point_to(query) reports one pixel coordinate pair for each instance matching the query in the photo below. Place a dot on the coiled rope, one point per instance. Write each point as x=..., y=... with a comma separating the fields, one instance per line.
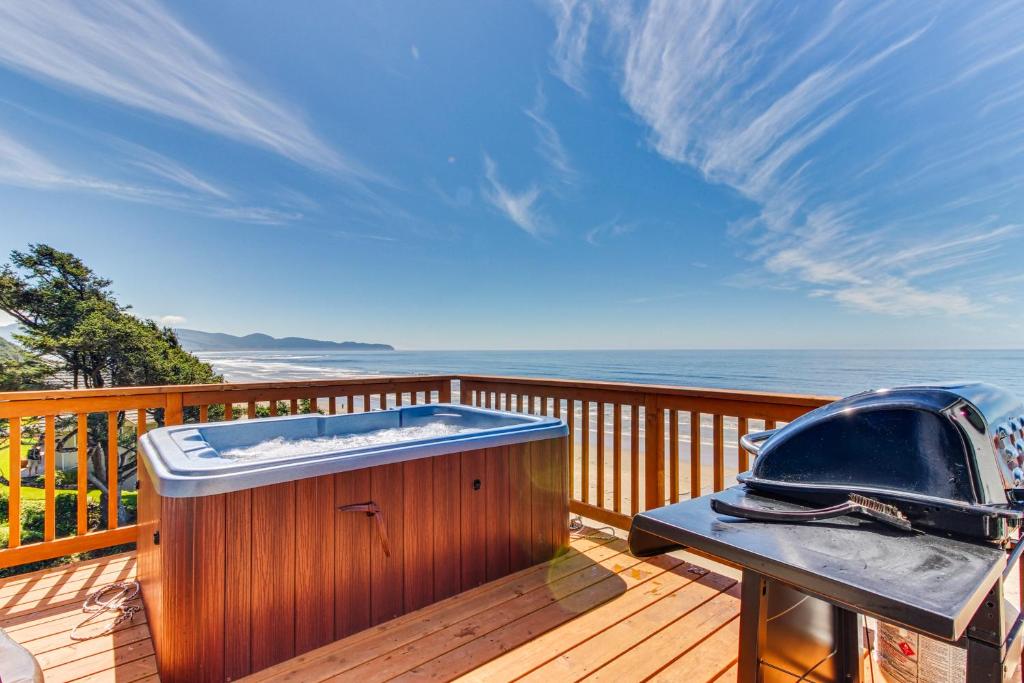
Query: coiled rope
x=577, y=530
x=111, y=598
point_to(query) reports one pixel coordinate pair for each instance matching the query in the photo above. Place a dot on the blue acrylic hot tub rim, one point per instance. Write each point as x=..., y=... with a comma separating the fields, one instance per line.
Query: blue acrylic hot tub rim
x=165, y=451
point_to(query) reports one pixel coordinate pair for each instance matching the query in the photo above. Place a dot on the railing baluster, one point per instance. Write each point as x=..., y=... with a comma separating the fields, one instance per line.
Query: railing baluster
x=634, y=458
x=250, y=410
x=229, y=411
x=654, y=453
x=769, y=424
x=113, y=494
x=570, y=412
x=82, y=495
x=673, y=454
x=695, y=474
x=204, y=413
x=617, y=457
x=600, y=453
x=314, y=405
x=585, y=465
x=719, y=441
x=742, y=457
x=14, y=493
x=50, y=478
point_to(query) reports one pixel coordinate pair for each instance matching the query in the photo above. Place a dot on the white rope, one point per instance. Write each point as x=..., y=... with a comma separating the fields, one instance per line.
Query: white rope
x=111, y=598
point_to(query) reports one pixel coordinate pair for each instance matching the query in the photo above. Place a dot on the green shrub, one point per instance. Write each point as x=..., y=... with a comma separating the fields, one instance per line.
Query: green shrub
x=66, y=479
x=33, y=516
x=3, y=506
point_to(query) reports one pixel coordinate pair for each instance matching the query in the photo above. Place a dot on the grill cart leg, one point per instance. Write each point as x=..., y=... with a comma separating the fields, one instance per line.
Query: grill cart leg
x=992, y=652
x=787, y=635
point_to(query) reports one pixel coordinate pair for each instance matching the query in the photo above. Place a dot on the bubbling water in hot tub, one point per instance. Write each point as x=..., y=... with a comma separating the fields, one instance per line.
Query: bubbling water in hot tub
x=281, y=447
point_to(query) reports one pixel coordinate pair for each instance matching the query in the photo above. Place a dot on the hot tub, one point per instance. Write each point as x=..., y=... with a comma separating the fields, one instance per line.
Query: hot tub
x=263, y=539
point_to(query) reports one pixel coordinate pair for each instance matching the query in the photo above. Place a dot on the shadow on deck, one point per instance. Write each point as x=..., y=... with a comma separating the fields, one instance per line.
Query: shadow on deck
x=595, y=613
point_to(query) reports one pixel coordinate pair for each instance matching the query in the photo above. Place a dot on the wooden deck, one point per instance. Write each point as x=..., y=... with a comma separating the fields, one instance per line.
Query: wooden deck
x=39, y=610
x=597, y=613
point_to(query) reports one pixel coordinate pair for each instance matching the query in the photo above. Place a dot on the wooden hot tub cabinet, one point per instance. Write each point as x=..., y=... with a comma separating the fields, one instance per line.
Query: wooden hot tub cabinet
x=236, y=582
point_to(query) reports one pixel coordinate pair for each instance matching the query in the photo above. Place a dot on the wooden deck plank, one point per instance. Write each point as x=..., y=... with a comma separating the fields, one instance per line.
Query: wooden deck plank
x=682, y=636
x=620, y=639
x=40, y=609
x=662, y=611
x=729, y=675
x=713, y=659
x=107, y=662
x=363, y=646
x=599, y=582
x=595, y=612
x=33, y=599
x=46, y=578
x=544, y=648
x=466, y=659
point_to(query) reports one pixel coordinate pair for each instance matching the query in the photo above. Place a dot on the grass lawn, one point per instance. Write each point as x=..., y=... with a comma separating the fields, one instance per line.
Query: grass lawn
x=33, y=493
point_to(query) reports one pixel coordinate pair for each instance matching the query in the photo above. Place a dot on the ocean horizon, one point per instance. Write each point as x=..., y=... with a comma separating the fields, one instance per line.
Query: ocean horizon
x=822, y=372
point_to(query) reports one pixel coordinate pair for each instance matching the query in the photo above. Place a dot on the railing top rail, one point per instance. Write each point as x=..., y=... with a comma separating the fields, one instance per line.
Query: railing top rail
x=808, y=400
x=106, y=392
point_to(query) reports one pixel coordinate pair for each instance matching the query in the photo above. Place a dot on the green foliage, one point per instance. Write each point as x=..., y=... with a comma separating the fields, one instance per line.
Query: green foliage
x=21, y=370
x=33, y=517
x=66, y=479
x=4, y=506
x=67, y=312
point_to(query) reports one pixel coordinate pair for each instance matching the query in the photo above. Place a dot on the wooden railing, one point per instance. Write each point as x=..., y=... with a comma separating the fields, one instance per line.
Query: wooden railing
x=104, y=424
x=632, y=447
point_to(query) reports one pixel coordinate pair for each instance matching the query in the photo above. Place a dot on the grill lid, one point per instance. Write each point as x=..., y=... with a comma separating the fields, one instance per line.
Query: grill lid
x=949, y=456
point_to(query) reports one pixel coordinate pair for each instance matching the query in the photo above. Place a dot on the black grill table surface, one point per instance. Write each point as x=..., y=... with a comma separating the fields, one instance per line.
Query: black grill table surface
x=945, y=588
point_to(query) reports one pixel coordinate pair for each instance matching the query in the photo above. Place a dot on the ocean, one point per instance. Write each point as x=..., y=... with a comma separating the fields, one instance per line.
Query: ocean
x=823, y=372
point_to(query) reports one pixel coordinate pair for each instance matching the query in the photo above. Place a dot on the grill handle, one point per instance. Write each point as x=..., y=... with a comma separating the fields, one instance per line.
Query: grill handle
x=751, y=443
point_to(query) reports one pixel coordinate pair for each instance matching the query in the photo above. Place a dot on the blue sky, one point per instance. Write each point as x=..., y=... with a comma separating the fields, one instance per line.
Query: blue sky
x=530, y=175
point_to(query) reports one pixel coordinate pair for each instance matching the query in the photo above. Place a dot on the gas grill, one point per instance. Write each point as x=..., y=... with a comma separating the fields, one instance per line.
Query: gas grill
x=899, y=504
x=949, y=458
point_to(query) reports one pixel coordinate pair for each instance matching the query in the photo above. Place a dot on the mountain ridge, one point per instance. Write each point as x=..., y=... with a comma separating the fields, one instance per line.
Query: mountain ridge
x=198, y=340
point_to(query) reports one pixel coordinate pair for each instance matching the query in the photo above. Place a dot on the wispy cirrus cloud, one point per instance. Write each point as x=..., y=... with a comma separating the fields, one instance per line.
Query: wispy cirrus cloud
x=26, y=167
x=572, y=21
x=138, y=54
x=599, y=234
x=550, y=142
x=518, y=207
x=775, y=105
x=174, y=172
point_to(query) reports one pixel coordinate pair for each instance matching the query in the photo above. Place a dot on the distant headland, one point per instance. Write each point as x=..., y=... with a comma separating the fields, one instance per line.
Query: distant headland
x=197, y=340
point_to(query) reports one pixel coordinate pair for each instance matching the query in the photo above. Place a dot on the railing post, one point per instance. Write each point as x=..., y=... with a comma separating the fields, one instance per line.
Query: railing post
x=174, y=412
x=444, y=394
x=654, y=453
